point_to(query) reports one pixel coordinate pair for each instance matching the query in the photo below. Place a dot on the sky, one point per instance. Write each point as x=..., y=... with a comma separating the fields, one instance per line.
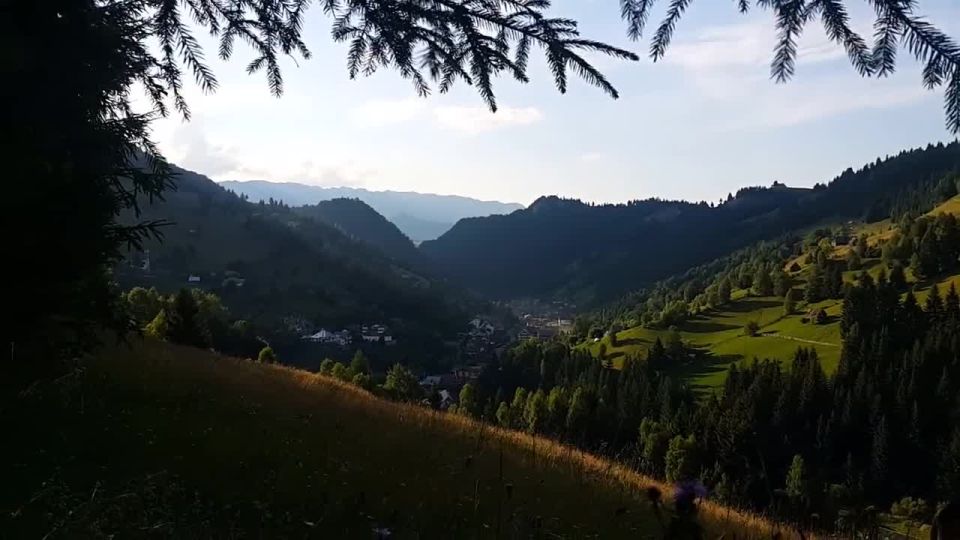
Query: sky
x=702, y=122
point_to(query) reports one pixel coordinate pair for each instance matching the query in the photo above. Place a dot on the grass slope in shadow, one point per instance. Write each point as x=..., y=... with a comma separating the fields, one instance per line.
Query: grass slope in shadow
x=164, y=441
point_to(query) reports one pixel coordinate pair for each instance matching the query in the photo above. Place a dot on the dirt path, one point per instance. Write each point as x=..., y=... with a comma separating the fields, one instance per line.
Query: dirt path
x=801, y=340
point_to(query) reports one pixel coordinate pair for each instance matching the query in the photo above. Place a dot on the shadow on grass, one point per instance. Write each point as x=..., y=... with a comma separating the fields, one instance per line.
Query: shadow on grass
x=707, y=327
x=751, y=304
x=704, y=365
x=611, y=356
x=621, y=342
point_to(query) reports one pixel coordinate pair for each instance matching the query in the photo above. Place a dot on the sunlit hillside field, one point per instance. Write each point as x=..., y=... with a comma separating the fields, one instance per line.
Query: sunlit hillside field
x=718, y=334
x=719, y=339
x=175, y=442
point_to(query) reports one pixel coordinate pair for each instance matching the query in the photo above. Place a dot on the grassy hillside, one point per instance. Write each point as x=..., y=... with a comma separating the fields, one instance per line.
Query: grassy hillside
x=168, y=441
x=719, y=336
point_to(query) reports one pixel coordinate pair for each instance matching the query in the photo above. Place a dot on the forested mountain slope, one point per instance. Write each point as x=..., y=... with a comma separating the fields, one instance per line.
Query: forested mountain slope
x=270, y=264
x=359, y=221
x=595, y=252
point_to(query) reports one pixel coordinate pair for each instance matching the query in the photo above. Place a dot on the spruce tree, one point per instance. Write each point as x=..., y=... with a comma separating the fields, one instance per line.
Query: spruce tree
x=185, y=325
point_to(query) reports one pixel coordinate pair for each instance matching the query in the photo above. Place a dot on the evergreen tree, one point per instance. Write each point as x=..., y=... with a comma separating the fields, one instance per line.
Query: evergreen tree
x=724, y=291
x=934, y=304
x=781, y=283
x=518, y=407
x=879, y=453
x=680, y=460
x=653, y=442
x=535, y=412
x=341, y=372
x=503, y=415
x=185, y=326
x=578, y=414
x=796, y=482
x=469, y=403
x=814, y=291
x=948, y=477
x=833, y=288
x=159, y=327
x=326, y=366
x=267, y=356
x=763, y=283
x=557, y=409
x=853, y=260
x=951, y=303
x=402, y=384
x=359, y=364
x=897, y=276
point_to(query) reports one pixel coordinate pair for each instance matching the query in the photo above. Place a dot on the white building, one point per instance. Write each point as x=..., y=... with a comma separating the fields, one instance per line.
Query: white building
x=341, y=338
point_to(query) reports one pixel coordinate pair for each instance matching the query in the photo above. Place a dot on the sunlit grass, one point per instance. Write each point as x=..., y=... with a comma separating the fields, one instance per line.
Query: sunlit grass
x=719, y=334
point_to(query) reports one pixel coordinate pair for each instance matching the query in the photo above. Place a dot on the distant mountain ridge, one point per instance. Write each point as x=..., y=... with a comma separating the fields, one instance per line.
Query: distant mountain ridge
x=592, y=253
x=359, y=221
x=331, y=265
x=421, y=216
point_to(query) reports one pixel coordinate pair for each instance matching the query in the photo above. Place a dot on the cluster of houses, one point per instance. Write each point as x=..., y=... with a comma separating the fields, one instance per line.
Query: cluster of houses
x=373, y=333
x=448, y=385
x=543, y=320
x=481, y=341
x=543, y=328
x=376, y=333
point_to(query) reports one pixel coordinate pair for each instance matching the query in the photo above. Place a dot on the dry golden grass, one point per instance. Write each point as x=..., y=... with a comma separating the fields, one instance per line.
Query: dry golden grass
x=269, y=441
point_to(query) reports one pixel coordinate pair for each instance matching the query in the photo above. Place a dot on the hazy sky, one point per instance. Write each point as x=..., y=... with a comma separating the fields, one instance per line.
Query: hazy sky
x=697, y=125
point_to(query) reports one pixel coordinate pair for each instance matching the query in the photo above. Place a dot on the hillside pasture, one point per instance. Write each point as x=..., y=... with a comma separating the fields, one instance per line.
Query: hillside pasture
x=176, y=442
x=719, y=339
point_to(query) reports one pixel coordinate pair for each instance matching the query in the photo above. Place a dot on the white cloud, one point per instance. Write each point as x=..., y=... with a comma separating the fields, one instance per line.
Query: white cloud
x=728, y=67
x=187, y=145
x=477, y=119
x=823, y=103
x=746, y=45
x=385, y=112
x=592, y=157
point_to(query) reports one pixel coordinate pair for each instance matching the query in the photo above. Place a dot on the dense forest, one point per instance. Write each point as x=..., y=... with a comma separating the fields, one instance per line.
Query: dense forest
x=823, y=451
x=359, y=221
x=596, y=253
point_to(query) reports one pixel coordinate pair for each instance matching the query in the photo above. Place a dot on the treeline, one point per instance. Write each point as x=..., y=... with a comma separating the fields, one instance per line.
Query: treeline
x=758, y=269
x=191, y=317
x=929, y=246
x=826, y=451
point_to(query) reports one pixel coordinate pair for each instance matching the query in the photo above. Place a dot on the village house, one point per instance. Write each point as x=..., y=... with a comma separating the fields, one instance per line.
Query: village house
x=376, y=333
x=446, y=400
x=465, y=374
x=440, y=381
x=341, y=338
x=481, y=327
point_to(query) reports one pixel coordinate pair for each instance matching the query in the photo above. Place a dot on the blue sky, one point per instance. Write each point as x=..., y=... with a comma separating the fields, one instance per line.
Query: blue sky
x=699, y=124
